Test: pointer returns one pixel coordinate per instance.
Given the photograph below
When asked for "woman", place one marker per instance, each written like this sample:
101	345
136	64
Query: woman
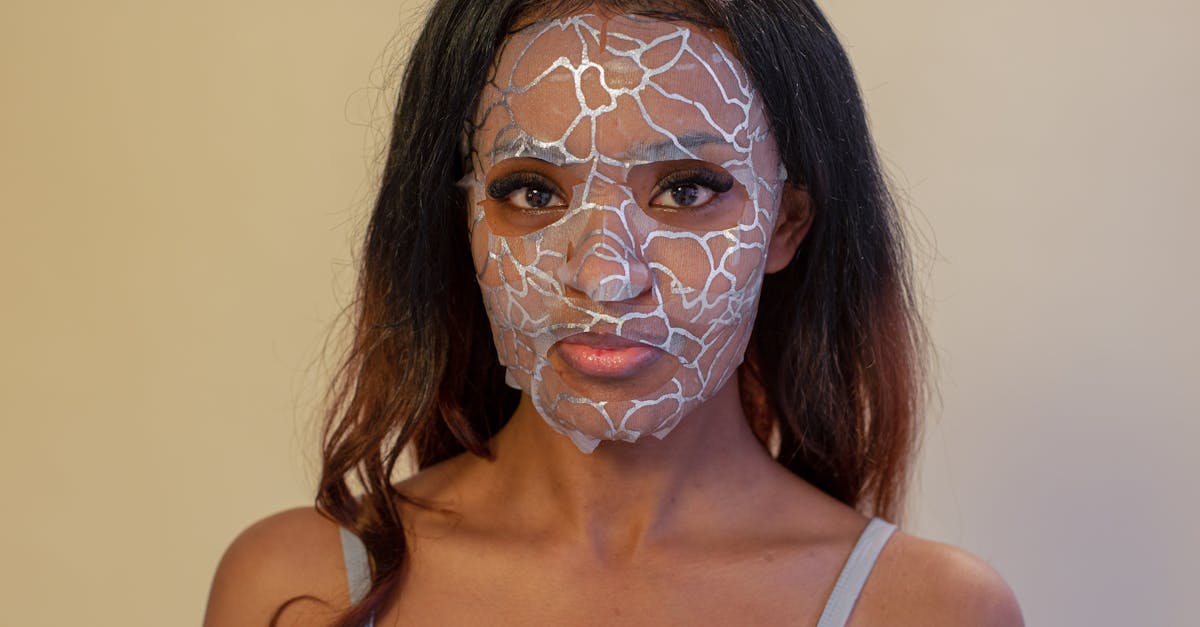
659	230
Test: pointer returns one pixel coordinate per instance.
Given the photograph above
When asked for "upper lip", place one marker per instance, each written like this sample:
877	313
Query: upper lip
601	340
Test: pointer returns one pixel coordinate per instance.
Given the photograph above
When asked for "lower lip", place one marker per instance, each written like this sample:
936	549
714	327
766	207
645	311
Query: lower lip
608	362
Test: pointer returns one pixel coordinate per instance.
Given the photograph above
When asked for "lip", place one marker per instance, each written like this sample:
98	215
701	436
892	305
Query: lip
606	356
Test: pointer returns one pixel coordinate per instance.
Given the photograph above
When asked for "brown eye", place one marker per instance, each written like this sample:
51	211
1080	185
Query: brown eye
534	198
526	191
683	196
690	189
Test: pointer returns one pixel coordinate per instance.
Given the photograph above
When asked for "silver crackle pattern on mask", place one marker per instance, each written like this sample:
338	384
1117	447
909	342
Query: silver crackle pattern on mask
638	275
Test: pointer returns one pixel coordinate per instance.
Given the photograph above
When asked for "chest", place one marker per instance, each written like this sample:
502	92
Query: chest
764	590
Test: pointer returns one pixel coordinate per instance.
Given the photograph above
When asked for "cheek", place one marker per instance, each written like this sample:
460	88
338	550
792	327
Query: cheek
513	274
687	262
702	269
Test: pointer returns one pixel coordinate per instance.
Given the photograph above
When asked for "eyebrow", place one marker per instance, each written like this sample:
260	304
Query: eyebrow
525	146
681	147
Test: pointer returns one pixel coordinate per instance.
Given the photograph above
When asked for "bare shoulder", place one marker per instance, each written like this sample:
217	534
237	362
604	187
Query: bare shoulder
291	559
923	582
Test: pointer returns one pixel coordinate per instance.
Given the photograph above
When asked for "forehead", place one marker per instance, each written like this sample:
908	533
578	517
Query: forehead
621	88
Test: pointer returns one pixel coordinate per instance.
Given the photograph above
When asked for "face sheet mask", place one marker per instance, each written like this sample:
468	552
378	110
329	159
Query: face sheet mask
624	187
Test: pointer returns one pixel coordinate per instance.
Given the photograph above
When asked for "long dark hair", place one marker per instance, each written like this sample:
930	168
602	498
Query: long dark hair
841	386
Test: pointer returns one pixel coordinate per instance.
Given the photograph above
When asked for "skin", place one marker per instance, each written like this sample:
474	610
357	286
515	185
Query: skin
699	528
730	540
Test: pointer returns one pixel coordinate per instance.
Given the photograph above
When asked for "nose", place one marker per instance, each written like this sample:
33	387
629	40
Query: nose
605	263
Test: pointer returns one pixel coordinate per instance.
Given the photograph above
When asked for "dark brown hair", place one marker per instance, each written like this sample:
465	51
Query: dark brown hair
835	362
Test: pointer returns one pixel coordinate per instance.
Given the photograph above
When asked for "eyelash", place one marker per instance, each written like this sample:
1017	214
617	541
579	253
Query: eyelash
502	188
698	176
702	177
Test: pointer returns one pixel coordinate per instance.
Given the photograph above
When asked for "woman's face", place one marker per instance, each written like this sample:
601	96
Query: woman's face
624	192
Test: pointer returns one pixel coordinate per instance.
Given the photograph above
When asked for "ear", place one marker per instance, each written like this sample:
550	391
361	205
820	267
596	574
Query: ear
795	217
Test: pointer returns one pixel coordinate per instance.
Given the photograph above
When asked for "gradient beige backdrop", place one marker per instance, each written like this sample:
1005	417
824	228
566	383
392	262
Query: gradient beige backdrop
182	186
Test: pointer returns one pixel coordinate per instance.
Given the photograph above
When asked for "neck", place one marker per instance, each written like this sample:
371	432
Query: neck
624	496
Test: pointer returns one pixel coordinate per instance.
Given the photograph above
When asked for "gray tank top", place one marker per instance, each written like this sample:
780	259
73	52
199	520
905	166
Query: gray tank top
837	610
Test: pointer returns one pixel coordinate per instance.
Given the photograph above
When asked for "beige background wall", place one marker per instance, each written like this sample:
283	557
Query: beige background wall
182	184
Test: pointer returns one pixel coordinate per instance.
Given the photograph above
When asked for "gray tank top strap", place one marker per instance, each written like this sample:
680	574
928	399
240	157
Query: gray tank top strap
854	574
358	567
